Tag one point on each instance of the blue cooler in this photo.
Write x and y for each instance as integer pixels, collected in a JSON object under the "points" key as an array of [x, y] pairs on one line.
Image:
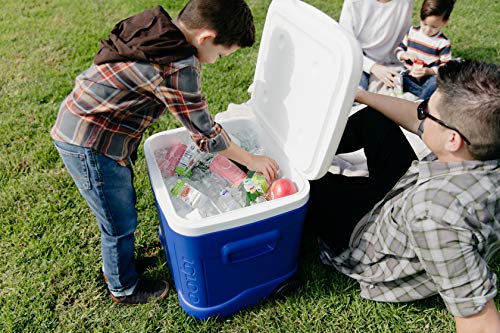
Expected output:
{"points": [[306, 75]]}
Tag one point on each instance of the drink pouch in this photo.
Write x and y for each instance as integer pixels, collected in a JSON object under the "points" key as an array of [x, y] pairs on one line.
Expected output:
{"points": [[172, 158], [223, 167], [188, 160]]}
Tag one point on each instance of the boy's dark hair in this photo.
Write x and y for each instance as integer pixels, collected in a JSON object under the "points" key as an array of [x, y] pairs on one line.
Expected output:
{"points": [[441, 8], [232, 20], [470, 101]]}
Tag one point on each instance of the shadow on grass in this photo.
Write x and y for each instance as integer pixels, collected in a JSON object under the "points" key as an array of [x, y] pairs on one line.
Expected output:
{"points": [[329, 281]]}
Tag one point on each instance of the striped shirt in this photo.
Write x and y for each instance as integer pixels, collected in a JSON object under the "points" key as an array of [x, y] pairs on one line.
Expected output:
{"points": [[112, 104], [434, 51], [433, 233]]}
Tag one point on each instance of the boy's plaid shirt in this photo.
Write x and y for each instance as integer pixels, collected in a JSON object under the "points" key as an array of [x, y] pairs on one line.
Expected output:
{"points": [[112, 104], [434, 232]]}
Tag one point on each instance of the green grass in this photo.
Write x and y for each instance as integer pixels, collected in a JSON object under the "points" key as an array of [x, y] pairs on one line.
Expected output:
{"points": [[49, 241]]}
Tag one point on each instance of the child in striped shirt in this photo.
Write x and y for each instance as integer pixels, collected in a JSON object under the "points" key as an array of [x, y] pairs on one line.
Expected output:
{"points": [[425, 48]]}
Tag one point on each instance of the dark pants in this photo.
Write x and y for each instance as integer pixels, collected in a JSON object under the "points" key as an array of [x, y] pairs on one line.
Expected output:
{"points": [[338, 202]]}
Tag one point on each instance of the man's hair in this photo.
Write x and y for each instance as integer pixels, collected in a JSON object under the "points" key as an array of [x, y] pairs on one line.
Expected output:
{"points": [[470, 101], [441, 8], [231, 20]]}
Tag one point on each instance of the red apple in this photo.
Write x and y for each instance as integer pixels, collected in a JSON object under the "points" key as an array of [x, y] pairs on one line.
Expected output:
{"points": [[281, 188]]}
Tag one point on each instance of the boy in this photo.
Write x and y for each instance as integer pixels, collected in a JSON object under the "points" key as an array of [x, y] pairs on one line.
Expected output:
{"points": [[150, 63], [425, 48]]}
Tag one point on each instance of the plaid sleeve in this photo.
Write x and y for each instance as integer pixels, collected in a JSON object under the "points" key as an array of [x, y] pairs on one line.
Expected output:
{"points": [[181, 92], [449, 254]]}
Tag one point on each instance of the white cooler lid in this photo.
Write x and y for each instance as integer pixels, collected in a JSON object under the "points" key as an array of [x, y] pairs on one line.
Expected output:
{"points": [[305, 80]]}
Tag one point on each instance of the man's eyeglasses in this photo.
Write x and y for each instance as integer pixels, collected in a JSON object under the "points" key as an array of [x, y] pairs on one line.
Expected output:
{"points": [[422, 113]]}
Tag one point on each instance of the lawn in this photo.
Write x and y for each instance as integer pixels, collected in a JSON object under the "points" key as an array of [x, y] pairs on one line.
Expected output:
{"points": [[49, 240]]}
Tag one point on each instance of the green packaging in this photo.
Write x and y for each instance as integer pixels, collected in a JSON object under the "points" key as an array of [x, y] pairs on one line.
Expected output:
{"points": [[255, 186]]}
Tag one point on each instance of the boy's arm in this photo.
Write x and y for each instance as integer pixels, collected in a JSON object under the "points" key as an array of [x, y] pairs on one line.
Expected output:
{"points": [[401, 111], [181, 92], [487, 320], [444, 56], [401, 50], [263, 164]]}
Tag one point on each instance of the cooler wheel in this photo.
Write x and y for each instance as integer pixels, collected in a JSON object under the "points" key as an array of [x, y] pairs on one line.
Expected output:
{"points": [[286, 287]]}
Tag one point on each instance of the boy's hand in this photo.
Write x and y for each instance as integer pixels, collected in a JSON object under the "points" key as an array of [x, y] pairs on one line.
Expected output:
{"points": [[419, 72], [407, 56], [265, 165], [258, 163]]}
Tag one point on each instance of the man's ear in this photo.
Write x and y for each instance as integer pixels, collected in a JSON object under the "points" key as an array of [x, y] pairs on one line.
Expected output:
{"points": [[454, 142]]}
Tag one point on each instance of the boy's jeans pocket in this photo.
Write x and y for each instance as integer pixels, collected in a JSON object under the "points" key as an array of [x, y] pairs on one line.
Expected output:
{"points": [[75, 160]]}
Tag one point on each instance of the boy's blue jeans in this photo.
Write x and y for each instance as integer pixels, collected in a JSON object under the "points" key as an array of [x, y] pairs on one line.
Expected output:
{"points": [[364, 81], [109, 191], [422, 87]]}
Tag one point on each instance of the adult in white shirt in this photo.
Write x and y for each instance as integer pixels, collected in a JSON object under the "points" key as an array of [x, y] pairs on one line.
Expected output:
{"points": [[379, 26]]}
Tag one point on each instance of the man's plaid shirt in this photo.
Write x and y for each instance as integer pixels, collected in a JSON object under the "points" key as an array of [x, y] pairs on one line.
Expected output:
{"points": [[434, 232], [112, 104]]}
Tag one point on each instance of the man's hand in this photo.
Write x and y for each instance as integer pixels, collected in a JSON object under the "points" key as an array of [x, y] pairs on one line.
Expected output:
{"points": [[385, 74]]}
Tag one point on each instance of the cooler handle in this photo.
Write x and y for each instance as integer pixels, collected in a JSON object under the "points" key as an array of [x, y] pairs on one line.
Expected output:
{"points": [[249, 248]]}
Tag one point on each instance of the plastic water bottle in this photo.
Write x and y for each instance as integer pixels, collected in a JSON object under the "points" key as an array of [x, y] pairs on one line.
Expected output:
{"points": [[228, 200], [194, 198], [222, 193], [248, 139], [398, 88]]}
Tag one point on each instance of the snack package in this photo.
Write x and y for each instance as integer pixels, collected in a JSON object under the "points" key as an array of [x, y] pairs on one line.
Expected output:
{"points": [[255, 186]]}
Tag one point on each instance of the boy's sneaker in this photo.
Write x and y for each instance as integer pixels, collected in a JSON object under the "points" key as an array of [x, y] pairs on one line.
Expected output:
{"points": [[144, 291]]}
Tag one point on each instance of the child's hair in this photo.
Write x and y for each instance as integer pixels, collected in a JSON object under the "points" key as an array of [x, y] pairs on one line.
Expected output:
{"points": [[232, 20], [470, 101], [441, 8]]}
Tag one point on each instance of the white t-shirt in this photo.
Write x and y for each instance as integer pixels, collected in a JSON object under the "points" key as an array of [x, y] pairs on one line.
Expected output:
{"points": [[379, 27]]}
